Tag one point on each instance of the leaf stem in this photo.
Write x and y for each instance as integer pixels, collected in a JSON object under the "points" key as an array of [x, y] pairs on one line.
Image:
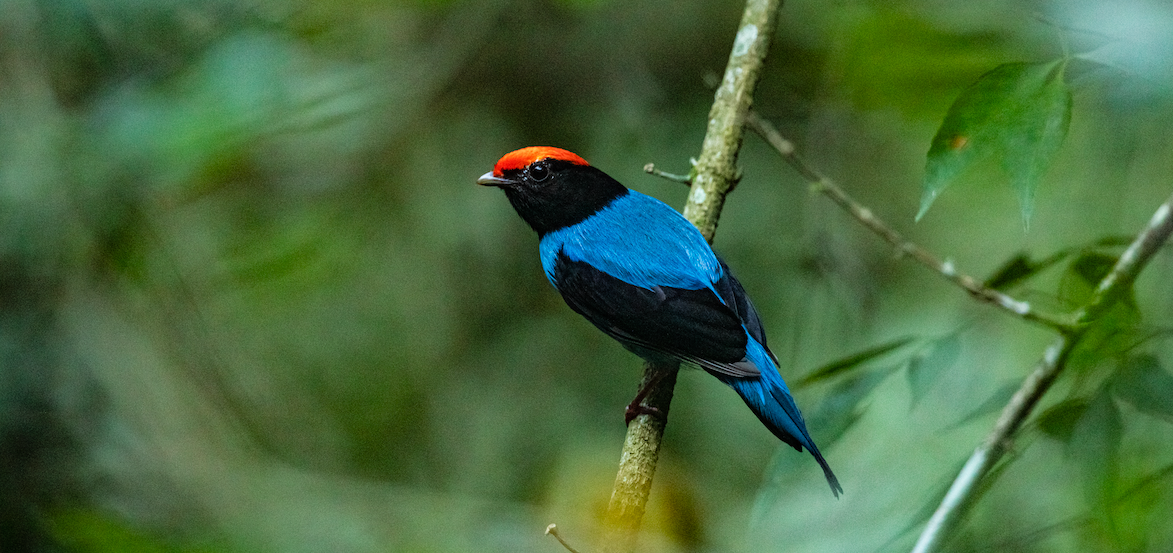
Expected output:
{"points": [[824, 185]]}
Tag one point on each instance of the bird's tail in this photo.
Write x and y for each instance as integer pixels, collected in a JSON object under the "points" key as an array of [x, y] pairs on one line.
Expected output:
{"points": [[769, 398]]}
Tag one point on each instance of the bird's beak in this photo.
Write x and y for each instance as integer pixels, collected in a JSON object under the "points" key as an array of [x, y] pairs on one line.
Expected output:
{"points": [[488, 179]]}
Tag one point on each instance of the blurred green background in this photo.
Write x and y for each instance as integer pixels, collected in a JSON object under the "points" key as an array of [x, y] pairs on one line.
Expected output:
{"points": [[251, 300]]}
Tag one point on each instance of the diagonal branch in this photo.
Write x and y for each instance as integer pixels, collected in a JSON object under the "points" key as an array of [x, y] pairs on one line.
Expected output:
{"points": [[1110, 289], [824, 185], [715, 174]]}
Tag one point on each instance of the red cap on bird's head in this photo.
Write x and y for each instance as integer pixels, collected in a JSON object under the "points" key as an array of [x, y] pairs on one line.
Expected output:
{"points": [[551, 188], [520, 159]]}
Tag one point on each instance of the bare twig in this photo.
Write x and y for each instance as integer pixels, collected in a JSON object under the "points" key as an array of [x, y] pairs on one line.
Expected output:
{"points": [[552, 530], [946, 268], [1110, 289], [651, 169], [714, 174]]}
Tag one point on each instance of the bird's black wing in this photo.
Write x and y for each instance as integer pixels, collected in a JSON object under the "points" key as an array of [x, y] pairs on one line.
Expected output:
{"points": [[735, 297], [693, 325]]}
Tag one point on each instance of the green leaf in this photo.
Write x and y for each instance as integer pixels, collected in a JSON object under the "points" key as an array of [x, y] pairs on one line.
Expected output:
{"points": [[1095, 443], [1059, 420], [993, 404], [840, 408], [925, 367], [1144, 384], [1021, 268], [1017, 113], [92, 530], [1013, 271], [851, 361], [1083, 275], [1114, 333]]}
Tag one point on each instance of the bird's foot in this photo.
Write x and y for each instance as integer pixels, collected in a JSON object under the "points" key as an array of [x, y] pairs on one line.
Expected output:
{"points": [[636, 409]]}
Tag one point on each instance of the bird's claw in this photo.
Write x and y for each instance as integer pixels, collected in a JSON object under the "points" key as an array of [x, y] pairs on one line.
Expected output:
{"points": [[636, 409]]}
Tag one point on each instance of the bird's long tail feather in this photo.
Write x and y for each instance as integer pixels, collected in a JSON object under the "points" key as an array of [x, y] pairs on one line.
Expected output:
{"points": [[769, 398]]}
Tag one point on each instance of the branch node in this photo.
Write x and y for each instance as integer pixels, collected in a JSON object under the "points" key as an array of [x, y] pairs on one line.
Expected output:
{"points": [[948, 269]]}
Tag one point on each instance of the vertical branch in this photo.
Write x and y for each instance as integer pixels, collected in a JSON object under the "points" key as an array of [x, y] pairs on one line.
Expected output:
{"points": [[716, 174], [716, 168], [637, 465]]}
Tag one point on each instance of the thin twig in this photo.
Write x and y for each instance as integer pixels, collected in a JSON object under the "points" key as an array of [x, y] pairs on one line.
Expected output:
{"points": [[1110, 289], [946, 268], [651, 169], [714, 174], [552, 530]]}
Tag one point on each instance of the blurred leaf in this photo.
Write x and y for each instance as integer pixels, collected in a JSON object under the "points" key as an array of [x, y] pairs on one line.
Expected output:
{"points": [[927, 509], [1115, 332], [1092, 267], [1015, 270], [993, 404], [85, 530], [1147, 482], [1059, 420], [925, 367], [1145, 385], [1082, 275], [1020, 268], [1095, 442], [840, 408], [1017, 113], [893, 51], [851, 361]]}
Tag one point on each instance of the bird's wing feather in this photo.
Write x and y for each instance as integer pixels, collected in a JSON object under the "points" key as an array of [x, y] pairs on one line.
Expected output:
{"points": [[639, 240], [694, 325], [735, 297]]}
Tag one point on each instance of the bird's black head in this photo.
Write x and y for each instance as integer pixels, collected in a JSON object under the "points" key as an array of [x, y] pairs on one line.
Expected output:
{"points": [[552, 188]]}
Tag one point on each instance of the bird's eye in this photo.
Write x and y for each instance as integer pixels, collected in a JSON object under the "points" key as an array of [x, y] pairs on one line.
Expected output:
{"points": [[539, 172]]}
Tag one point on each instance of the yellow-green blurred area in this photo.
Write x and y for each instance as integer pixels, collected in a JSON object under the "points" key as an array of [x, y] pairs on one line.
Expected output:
{"points": [[251, 299]]}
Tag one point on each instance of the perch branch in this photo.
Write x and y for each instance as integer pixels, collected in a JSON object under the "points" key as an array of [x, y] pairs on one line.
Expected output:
{"points": [[714, 174]]}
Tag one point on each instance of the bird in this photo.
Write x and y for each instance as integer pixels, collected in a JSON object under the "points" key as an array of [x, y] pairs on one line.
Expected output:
{"points": [[643, 274]]}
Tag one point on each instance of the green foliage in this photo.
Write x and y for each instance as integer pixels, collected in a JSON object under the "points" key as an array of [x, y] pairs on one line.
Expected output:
{"points": [[995, 403], [893, 51], [841, 407], [1114, 333], [927, 366], [91, 531], [852, 362], [1017, 113], [1094, 443], [1143, 383], [1059, 420]]}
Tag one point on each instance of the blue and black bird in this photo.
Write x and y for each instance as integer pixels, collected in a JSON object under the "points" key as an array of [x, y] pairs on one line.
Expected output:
{"points": [[640, 272]]}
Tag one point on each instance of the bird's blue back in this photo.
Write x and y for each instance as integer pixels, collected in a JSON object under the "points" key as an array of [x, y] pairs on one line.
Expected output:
{"points": [[639, 240]]}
